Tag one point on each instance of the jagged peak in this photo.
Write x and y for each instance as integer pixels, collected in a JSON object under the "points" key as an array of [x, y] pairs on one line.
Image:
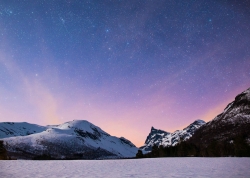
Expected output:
{"points": [[153, 131], [160, 137]]}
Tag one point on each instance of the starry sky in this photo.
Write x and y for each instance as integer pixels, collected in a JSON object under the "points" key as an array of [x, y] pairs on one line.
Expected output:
{"points": [[123, 65]]}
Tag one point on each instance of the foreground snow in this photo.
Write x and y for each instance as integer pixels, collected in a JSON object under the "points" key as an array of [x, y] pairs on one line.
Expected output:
{"points": [[159, 167]]}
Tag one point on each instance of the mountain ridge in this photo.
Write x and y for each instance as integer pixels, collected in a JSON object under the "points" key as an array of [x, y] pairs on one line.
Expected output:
{"points": [[233, 121], [159, 137], [77, 139], [227, 135], [10, 129], [231, 128]]}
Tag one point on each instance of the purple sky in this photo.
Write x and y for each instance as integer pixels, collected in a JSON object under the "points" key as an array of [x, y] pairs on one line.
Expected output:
{"points": [[122, 65]]}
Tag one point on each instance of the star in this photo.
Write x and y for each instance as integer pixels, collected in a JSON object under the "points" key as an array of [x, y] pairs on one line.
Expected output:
{"points": [[178, 58]]}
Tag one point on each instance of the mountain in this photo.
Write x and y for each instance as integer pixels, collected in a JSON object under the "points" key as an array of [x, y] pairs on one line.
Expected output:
{"points": [[77, 139], [233, 123], [227, 135], [155, 137], [160, 137], [11, 129]]}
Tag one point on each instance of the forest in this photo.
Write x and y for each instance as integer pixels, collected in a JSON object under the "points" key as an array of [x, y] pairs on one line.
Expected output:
{"points": [[3, 152], [238, 147]]}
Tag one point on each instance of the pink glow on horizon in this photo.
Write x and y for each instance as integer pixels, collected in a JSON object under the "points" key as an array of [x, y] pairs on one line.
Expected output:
{"points": [[154, 107]]}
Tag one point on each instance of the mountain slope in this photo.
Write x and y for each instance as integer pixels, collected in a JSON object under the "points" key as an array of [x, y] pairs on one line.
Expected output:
{"points": [[12, 129], [155, 137], [78, 139], [232, 123], [160, 137]]}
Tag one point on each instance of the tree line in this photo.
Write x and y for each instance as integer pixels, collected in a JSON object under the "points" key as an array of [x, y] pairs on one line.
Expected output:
{"points": [[3, 152], [238, 147]]}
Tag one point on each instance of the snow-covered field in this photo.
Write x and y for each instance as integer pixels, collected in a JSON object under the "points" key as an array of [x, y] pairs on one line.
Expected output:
{"points": [[159, 167]]}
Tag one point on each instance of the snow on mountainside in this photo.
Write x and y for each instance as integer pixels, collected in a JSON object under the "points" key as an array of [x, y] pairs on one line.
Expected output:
{"points": [[236, 111], [11, 129], [155, 137], [160, 137], [233, 122], [78, 139]]}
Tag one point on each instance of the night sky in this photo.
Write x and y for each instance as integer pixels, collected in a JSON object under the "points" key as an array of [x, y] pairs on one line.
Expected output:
{"points": [[123, 65]]}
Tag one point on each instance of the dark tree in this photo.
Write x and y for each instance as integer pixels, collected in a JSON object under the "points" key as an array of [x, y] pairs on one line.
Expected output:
{"points": [[139, 154], [3, 152], [241, 147], [155, 151], [43, 157], [161, 151]]}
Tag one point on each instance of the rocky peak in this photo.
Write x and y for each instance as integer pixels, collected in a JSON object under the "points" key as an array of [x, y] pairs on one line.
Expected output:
{"points": [[231, 123], [160, 137]]}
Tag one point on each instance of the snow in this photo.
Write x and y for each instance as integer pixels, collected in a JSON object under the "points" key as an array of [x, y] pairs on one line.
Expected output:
{"points": [[229, 167], [228, 106], [66, 134], [160, 137], [11, 129], [247, 94], [236, 111]]}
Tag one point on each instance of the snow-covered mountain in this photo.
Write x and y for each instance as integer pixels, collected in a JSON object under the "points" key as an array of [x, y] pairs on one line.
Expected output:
{"points": [[233, 122], [235, 112], [12, 129], [77, 139], [160, 137]]}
